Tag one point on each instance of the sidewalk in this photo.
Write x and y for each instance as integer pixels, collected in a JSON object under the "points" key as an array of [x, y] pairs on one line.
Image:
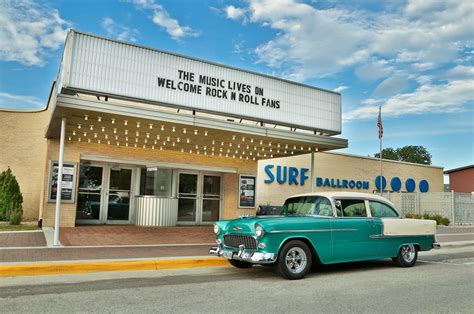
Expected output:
{"points": [[109, 248]]}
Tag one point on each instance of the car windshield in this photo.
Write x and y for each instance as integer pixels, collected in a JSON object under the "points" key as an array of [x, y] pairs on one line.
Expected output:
{"points": [[307, 205]]}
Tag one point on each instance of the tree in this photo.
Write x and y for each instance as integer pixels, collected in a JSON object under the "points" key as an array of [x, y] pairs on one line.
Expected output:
{"points": [[409, 153], [11, 198]]}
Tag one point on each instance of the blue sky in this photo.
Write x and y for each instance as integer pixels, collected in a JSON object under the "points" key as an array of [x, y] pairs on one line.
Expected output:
{"points": [[414, 58]]}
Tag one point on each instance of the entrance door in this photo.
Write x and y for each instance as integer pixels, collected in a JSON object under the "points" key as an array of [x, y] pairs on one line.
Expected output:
{"points": [[104, 194], [199, 198], [187, 198], [89, 200], [118, 196], [211, 198]]}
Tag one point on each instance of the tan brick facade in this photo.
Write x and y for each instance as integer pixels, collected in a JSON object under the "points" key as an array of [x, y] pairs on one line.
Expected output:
{"points": [[23, 149]]}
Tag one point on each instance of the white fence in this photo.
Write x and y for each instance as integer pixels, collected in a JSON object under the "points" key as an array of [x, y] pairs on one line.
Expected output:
{"points": [[458, 207]]}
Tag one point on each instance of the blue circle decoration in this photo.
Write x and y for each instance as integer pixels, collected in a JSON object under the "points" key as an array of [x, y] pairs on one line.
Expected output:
{"points": [[410, 185], [377, 183], [424, 186], [396, 183]]}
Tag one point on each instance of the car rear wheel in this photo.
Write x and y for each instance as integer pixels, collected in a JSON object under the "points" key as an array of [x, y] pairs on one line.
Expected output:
{"points": [[294, 260], [240, 264], [407, 256]]}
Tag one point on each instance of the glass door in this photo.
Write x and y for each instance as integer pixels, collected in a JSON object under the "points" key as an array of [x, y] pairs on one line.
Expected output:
{"points": [[199, 198], [187, 198], [211, 198], [89, 198], [118, 198]]}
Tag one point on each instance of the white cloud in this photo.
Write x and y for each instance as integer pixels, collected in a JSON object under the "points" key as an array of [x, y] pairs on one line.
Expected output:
{"points": [[12, 101], [162, 18], [374, 69], [234, 13], [315, 42], [442, 98], [393, 85], [29, 32], [461, 71], [341, 88], [119, 31]]}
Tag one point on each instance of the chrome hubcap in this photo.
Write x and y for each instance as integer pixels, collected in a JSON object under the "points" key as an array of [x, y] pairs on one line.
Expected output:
{"points": [[296, 260], [408, 253]]}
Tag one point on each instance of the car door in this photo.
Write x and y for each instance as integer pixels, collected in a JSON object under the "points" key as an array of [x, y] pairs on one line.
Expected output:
{"points": [[352, 230]]}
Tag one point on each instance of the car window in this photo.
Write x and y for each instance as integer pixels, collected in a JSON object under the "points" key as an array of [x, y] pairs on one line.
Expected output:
{"points": [[351, 208], [382, 210], [308, 205]]}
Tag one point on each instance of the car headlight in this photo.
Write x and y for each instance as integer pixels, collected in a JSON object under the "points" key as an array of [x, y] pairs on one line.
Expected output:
{"points": [[259, 231], [217, 229]]}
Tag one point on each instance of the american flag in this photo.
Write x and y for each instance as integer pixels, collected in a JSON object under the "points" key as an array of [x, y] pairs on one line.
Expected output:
{"points": [[379, 123]]}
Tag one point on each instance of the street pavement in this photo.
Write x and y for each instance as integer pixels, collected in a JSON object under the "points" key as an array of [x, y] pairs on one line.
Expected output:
{"points": [[441, 282]]}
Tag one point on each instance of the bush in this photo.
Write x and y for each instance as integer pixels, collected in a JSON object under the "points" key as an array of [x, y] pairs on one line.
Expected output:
{"points": [[440, 220], [15, 217], [10, 198]]}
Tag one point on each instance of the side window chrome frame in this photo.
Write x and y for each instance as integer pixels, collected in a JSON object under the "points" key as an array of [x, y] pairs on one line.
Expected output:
{"points": [[335, 201]]}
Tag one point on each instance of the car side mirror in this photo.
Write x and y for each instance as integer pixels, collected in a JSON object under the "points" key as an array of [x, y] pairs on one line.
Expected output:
{"points": [[338, 204]]}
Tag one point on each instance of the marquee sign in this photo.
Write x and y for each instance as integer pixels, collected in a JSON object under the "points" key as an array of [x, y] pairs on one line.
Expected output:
{"points": [[110, 67]]}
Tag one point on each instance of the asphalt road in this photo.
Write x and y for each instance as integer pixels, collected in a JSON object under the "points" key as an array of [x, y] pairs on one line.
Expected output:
{"points": [[442, 282]]}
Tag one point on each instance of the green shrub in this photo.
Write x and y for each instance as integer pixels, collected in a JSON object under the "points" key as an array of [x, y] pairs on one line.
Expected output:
{"points": [[440, 220], [15, 217], [10, 197], [414, 216]]}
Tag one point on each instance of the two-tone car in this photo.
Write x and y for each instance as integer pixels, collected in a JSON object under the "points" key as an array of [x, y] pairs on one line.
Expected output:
{"points": [[326, 228]]}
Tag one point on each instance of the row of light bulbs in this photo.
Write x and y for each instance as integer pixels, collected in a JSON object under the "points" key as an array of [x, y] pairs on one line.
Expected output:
{"points": [[221, 151], [173, 129]]}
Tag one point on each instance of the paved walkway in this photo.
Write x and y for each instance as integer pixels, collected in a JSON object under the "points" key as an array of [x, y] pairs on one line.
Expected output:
{"points": [[22, 239], [99, 253], [134, 235], [133, 242]]}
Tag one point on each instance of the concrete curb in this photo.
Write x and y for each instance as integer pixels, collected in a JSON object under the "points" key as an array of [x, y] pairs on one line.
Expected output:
{"points": [[456, 244], [89, 267]]}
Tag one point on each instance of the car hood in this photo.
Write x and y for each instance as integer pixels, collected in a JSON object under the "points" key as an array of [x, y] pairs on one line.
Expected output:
{"points": [[246, 225]]}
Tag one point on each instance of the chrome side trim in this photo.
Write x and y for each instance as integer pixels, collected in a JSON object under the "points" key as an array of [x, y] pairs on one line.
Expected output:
{"points": [[436, 245], [383, 236], [313, 230]]}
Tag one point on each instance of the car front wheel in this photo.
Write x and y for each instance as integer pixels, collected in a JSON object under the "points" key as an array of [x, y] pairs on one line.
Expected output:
{"points": [[294, 260], [407, 256]]}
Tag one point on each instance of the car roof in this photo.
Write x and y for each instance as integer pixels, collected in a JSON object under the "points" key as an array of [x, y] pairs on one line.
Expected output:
{"points": [[335, 195]]}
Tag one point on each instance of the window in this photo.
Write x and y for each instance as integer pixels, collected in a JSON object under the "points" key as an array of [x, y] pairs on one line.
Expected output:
{"points": [[308, 205], [156, 181], [382, 210], [351, 208]]}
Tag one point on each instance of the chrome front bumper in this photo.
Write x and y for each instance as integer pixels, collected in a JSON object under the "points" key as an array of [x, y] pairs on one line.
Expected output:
{"points": [[436, 245], [244, 255]]}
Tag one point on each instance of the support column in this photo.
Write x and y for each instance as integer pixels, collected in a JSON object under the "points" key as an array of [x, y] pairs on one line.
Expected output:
{"points": [[312, 172], [60, 182]]}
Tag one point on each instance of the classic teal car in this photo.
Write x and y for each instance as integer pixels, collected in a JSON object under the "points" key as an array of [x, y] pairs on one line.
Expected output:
{"points": [[327, 228]]}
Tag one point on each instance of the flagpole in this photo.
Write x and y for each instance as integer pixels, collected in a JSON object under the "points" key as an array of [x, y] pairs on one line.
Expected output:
{"points": [[380, 154]]}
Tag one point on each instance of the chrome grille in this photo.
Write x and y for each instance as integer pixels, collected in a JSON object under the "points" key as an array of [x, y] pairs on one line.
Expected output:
{"points": [[234, 240]]}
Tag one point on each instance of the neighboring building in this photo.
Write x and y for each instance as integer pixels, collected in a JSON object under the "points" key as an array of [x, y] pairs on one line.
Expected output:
{"points": [[461, 179], [279, 178]]}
